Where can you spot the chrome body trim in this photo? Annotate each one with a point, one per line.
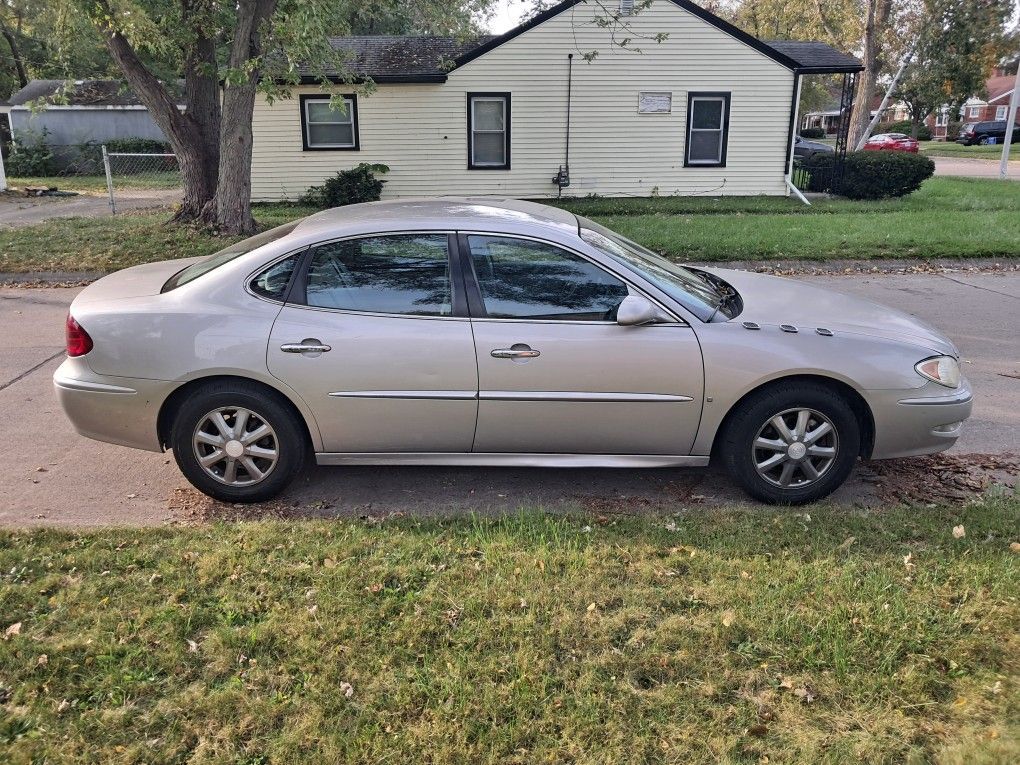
(539, 395)
(511, 459)
(88, 386)
(960, 398)
(443, 395)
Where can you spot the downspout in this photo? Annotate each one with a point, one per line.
(794, 117)
(562, 178)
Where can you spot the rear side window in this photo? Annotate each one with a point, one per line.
(523, 279)
(272, 282)
(401, 274)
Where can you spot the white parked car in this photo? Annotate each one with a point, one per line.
(482, 332)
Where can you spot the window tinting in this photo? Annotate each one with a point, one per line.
(272, 283)
(522, 279)
(707, 117)
(407, 274)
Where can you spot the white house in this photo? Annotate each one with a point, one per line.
(710, 110)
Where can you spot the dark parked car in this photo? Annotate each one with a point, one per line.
(992, 131)
(804, 149)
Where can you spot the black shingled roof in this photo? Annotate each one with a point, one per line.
(76, 93)
(814, 56)
(390, 58)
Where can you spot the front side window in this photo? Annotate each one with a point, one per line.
(328, 128)
(402, 274)
(523, 279)
(488, 131)
(708, 118)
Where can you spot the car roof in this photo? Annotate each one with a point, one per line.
(438, 213)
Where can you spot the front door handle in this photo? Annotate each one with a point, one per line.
(516, 351)
(308, 345)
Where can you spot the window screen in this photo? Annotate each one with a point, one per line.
(523, 279)
(327, 128)
(406, 274)
(489, 131)
(707, 128)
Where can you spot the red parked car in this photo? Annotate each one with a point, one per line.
(891, 142)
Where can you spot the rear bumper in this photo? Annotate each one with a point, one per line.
(118, 410)
(920, 421)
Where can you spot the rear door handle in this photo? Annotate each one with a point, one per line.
(308, 345)
(516, 351)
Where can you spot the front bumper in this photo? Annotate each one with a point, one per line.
(118, 410)
(920, 421)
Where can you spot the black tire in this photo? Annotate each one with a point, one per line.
(266, 406)
(746, 422)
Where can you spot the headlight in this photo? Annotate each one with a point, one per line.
(945, 370)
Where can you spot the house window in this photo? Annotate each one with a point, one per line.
(942, 118)
(488, 131)
(974, 111)
(1000, 112)
(708, 125)
(326, 128)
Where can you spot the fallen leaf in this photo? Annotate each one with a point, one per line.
(1014, 546)
(42, 661)
(346, 689)
(329, 563)
(729, 616)
(313, 609)
(63, 706)
(959, 532)
(744, 575)
(192, 646)
(14, 629)
(805, 694)
(591, 607)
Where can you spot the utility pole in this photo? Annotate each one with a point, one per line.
(888, 95)
(1007, 142)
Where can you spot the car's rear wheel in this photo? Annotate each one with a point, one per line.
(237, 442)
(791, 444)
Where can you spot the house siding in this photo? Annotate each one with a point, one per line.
(420, 130)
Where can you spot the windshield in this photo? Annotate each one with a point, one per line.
(228, 254)
(703, 294)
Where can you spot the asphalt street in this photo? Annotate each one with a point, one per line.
(51, 476)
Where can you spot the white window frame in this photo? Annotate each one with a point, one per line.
(942, 118)
(348, 117)
(504, 101)
(1001, 112)
(974, 112)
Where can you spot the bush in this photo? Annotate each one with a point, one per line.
(880, 174)
(348, 187)
(906, 126)
(30, 156)
(815, 132)
(870, 174)
(138, 146)
(953, 130)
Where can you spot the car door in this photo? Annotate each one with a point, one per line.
(371, 341)
(556, 373)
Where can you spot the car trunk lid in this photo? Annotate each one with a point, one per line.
(137, 281)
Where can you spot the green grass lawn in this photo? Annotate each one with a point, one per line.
(947, 217)
(155, 179)
(951, 149)
(732, 635)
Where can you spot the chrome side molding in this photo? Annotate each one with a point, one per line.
(492, 459)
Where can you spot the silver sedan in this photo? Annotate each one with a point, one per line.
(481, 332)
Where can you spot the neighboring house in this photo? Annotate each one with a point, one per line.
(828, 120)
(75, 112)
(995, 106)
(708, 111)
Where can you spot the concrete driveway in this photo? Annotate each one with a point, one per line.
(51, 476)
(974, 168)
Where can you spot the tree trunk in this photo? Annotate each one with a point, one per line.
(185, 133)
(874, 28)
(233, 193)
(19, 62)
(202, 104)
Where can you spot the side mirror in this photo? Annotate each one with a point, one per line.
(636, 310)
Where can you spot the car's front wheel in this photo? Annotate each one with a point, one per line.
(237, 443)
(791, 444)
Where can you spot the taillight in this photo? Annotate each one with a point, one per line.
(78, 341)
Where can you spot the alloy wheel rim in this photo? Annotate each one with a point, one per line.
(795, 448)
(235, 446)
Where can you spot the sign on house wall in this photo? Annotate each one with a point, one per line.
(652, 102)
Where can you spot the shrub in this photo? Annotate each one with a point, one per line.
(30, 156)
(880, 174)
(348, 187)
(906, 126)
(953, 130)
(138, 146)
(815, 132)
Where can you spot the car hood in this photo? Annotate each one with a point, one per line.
(137, 281)
(775, 300)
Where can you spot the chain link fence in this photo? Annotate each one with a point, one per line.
(141, 178)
